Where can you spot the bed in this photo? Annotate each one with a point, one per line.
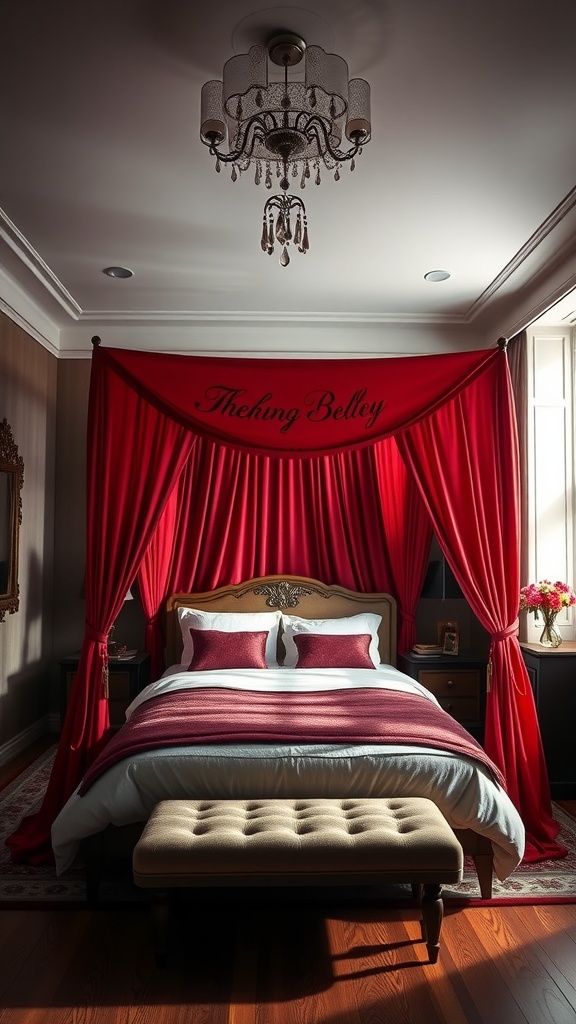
(285, 686)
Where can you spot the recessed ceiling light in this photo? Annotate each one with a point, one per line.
(437, 275)
(120, 272)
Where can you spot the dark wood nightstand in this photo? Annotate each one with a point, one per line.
(126, 679)
(457, 681)
(552, 673)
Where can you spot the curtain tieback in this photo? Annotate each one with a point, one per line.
(408, 617)
(502, 634)
(98, 637)
(495, 638)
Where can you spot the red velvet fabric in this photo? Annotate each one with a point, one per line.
(292, 406)
(134, 455)
(214, 649)
(322, 650)
(466, 465)
(408, 532)
(299, 431)
(235, 515)
(362, 715)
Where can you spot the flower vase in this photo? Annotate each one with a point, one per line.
(550, 636)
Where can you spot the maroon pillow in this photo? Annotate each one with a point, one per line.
(214, 649)
(323, 650)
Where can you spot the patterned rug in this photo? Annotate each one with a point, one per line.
(551, 881)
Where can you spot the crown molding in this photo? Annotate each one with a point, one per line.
(33, 262)
(259, 316)
(545, 229)
(542, 306)
(19, 308)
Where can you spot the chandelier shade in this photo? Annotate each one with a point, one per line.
(284, 126)
(281, 127)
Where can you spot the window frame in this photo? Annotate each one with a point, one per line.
(551, 527)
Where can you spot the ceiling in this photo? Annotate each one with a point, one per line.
(470, 169)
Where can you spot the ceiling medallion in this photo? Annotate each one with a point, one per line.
(285, 129)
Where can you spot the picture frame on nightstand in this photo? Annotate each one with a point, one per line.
(451, 643)
(443, 628)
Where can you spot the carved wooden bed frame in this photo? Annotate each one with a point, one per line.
(307, 598)
(299, 595)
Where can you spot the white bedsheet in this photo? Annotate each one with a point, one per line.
(275, 680)
(128, 792)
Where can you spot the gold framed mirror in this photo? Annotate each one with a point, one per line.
(11, 482)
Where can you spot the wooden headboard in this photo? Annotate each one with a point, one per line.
(295, 595)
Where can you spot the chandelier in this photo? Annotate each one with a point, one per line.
(285, 129)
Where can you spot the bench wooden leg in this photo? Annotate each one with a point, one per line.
(160, 924)
(432, 914)
(484, 864)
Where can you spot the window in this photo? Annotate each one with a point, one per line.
(551, 468)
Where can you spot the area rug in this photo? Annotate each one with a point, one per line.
(552, 881)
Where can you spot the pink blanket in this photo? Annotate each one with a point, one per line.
(213, 715)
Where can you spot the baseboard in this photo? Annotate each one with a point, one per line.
(26, 738)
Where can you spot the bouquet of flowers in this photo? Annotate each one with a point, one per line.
(548, 599)
(546, 596)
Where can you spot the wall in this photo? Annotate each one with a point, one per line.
(70, 504)
(28, 388)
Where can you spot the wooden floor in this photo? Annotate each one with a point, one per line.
(289, 963)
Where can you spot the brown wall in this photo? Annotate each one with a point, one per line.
(28, 386)
(70, 505)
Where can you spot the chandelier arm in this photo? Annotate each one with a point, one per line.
(245, 146)
(316, 129)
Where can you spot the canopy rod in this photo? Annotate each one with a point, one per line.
(502, 342)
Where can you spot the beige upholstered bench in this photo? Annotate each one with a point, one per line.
(298, 842)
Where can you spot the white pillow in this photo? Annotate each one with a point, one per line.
(364, 622)
(229, 622)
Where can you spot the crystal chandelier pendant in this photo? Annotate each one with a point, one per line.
(298, 230)
(277, 226)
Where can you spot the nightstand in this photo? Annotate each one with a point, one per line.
(457, 681)
(552, 673)
(125, 680)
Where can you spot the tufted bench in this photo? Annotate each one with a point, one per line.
(298, 842)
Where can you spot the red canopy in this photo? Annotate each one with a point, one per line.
(202, 470)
